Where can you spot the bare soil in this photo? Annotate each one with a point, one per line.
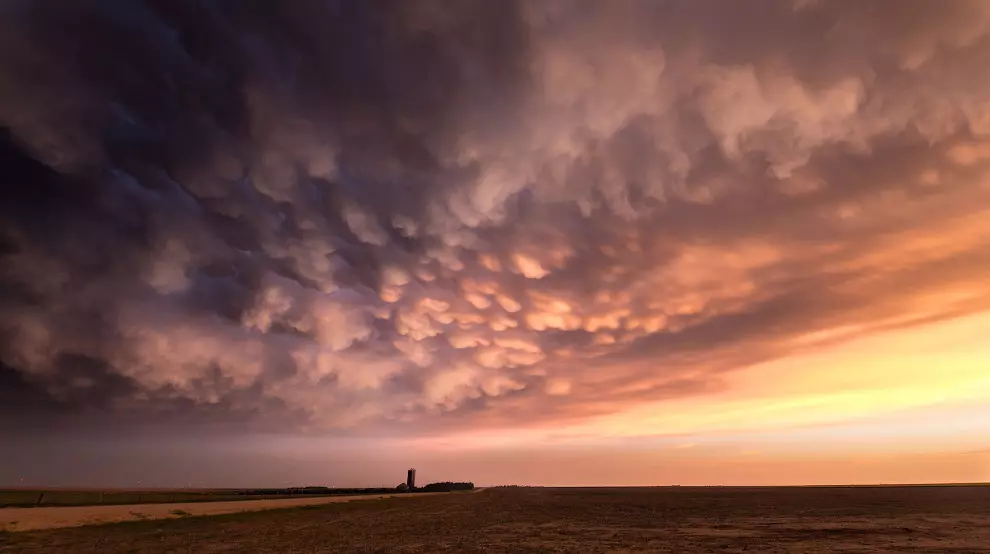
(681, 519)
(28, 519)
(29, 497)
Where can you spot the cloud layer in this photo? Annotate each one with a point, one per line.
(350, 216)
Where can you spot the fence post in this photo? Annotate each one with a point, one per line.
(40, 498)
(101, 497)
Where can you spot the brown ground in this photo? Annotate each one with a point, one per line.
(29, 519)
(887, 519)
(23, 497)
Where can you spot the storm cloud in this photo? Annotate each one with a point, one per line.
(345, 216)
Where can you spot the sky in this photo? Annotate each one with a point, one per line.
(554, 242)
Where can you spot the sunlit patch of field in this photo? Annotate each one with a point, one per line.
(90, 497)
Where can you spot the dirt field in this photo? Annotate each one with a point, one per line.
(886, 519)
(29, 519)
(19, 498)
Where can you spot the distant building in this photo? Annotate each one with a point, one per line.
(411, 478)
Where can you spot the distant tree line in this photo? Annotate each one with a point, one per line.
(323, 491)
(446, 486)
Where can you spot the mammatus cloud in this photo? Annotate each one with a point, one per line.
(342, 215)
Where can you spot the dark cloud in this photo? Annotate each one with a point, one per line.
(320, 215)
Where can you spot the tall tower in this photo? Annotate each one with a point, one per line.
(411, 478)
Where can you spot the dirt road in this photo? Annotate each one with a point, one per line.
(25, 519)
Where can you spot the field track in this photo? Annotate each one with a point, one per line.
(26, 519)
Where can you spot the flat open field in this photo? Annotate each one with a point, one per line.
(681, 519)
(25, 519)
(92, 497)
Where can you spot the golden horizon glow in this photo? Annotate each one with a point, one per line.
(877, 405)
